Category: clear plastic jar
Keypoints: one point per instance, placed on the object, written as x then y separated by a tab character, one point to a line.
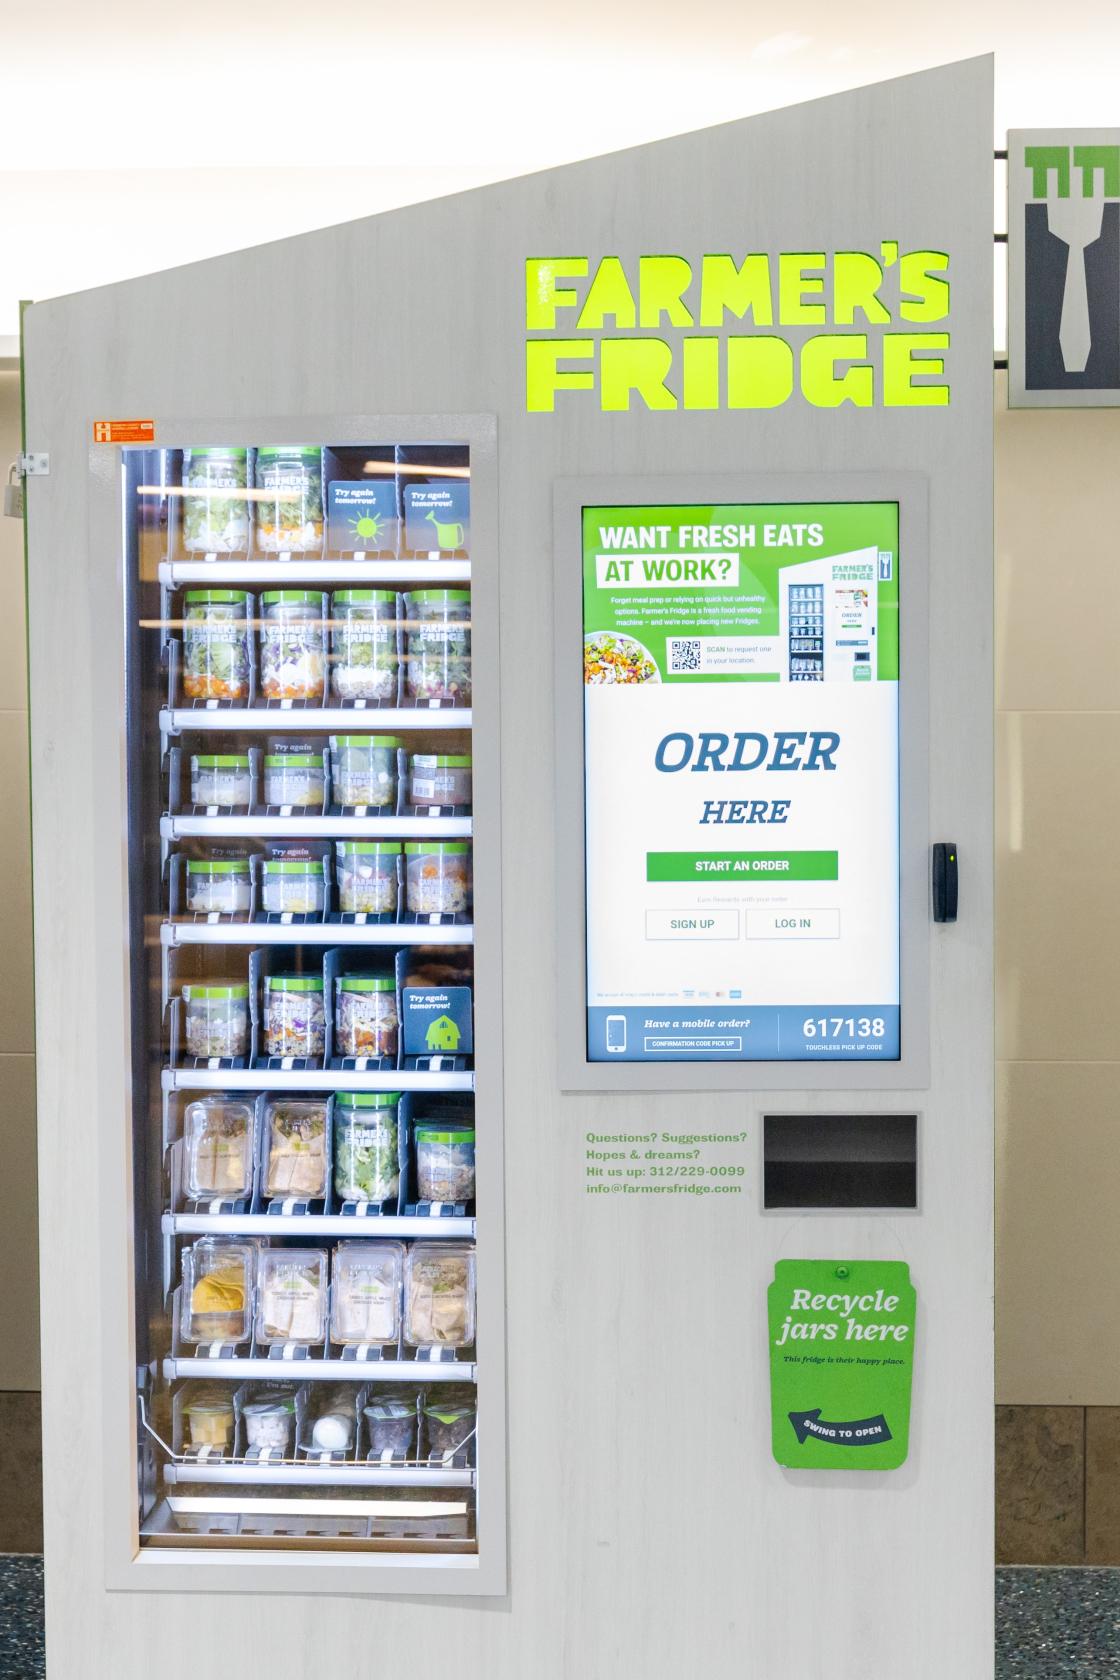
444	1165
221	779
365	1017
439	1294
218	1146
292	644
364	770
439	779
391	1423
215	505
210	1423
364	658
295	1022
216	1301
295	779
366	871
269	1424
294	886
289	515
216	644
439	877
292	1296
218	886
439	645
447	1428
366	1292
366	1167
217	1019
296	1133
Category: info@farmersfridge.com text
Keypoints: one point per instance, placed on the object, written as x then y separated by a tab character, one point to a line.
664	1163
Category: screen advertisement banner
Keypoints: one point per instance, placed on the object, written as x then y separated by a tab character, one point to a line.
741	670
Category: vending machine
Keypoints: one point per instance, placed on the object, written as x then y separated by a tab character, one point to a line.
515	1119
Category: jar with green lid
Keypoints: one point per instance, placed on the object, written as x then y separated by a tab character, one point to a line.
215	501
366	1167
391	1423
444	1164
297	780
295	887
367	873
289	504
364	658
218	886
295	1022
216	644
440	779
439	877
221	780
447	1429
365	1015
293	645
438	661
217	1019
364	770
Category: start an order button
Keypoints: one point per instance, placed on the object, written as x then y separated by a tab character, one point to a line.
793	924
692	924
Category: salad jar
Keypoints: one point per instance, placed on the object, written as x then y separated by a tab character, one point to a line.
216	1302
391	1423
365	1015
364	770
210	1423
221	779
294	1017
293	645
366	871
217	1019
297	780
294	886
439	645
366	1166
215	504
218	886
289	513
439	877
447	1429
444	1165
296	1129
269	1424
292	1296
218	1143
366	1293
364	658
439	779
216	644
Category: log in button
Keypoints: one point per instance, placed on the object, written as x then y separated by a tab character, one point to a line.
793	924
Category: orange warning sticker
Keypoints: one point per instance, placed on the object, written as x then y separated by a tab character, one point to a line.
124	431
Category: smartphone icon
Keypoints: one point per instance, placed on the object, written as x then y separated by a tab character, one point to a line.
616	1034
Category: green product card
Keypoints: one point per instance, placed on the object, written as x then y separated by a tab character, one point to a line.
841	1363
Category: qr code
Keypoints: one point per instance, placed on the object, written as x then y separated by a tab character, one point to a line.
684	653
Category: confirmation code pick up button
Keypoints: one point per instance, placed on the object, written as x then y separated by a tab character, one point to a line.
741	866
692	924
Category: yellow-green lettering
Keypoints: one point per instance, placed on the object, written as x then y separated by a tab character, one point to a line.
924	296
759	372
662	283
795	283
543	296
701	373
856	278
608	294
742	291
543	376
904	356
822	386
634	364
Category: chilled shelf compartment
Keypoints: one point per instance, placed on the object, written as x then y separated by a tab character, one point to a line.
346	568
441	1530
230	824
179	719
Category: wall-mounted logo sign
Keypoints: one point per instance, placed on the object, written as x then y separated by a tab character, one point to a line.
841	1363
738	332
1064	268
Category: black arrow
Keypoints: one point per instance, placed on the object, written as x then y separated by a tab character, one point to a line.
865	1432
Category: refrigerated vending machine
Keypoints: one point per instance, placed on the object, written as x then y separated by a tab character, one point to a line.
496	682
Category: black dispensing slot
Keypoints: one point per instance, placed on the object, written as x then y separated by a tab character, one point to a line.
840	1161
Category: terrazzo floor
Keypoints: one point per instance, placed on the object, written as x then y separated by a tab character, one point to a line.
1050	1623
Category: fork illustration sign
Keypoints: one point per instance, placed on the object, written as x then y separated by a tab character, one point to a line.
1064	268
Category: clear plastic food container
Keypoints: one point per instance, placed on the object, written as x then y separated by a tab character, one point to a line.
289	515
366	1162
365	1015
295	1022
366	1293
296	779
296	886
366	873
292	1296
217	1019
215	506
364	658
391	1425
218	886
444	1165
216	1303
439	1294
292	644
296	1129
439	877
216	644
440	779
439	645
269	1424
447	1428
221	779
210	1423
364	770
218	1144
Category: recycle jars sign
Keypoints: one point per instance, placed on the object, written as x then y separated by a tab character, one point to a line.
841	1363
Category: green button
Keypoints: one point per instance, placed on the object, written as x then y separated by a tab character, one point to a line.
739	866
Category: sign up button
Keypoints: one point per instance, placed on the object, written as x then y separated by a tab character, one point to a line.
793	924
692	924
